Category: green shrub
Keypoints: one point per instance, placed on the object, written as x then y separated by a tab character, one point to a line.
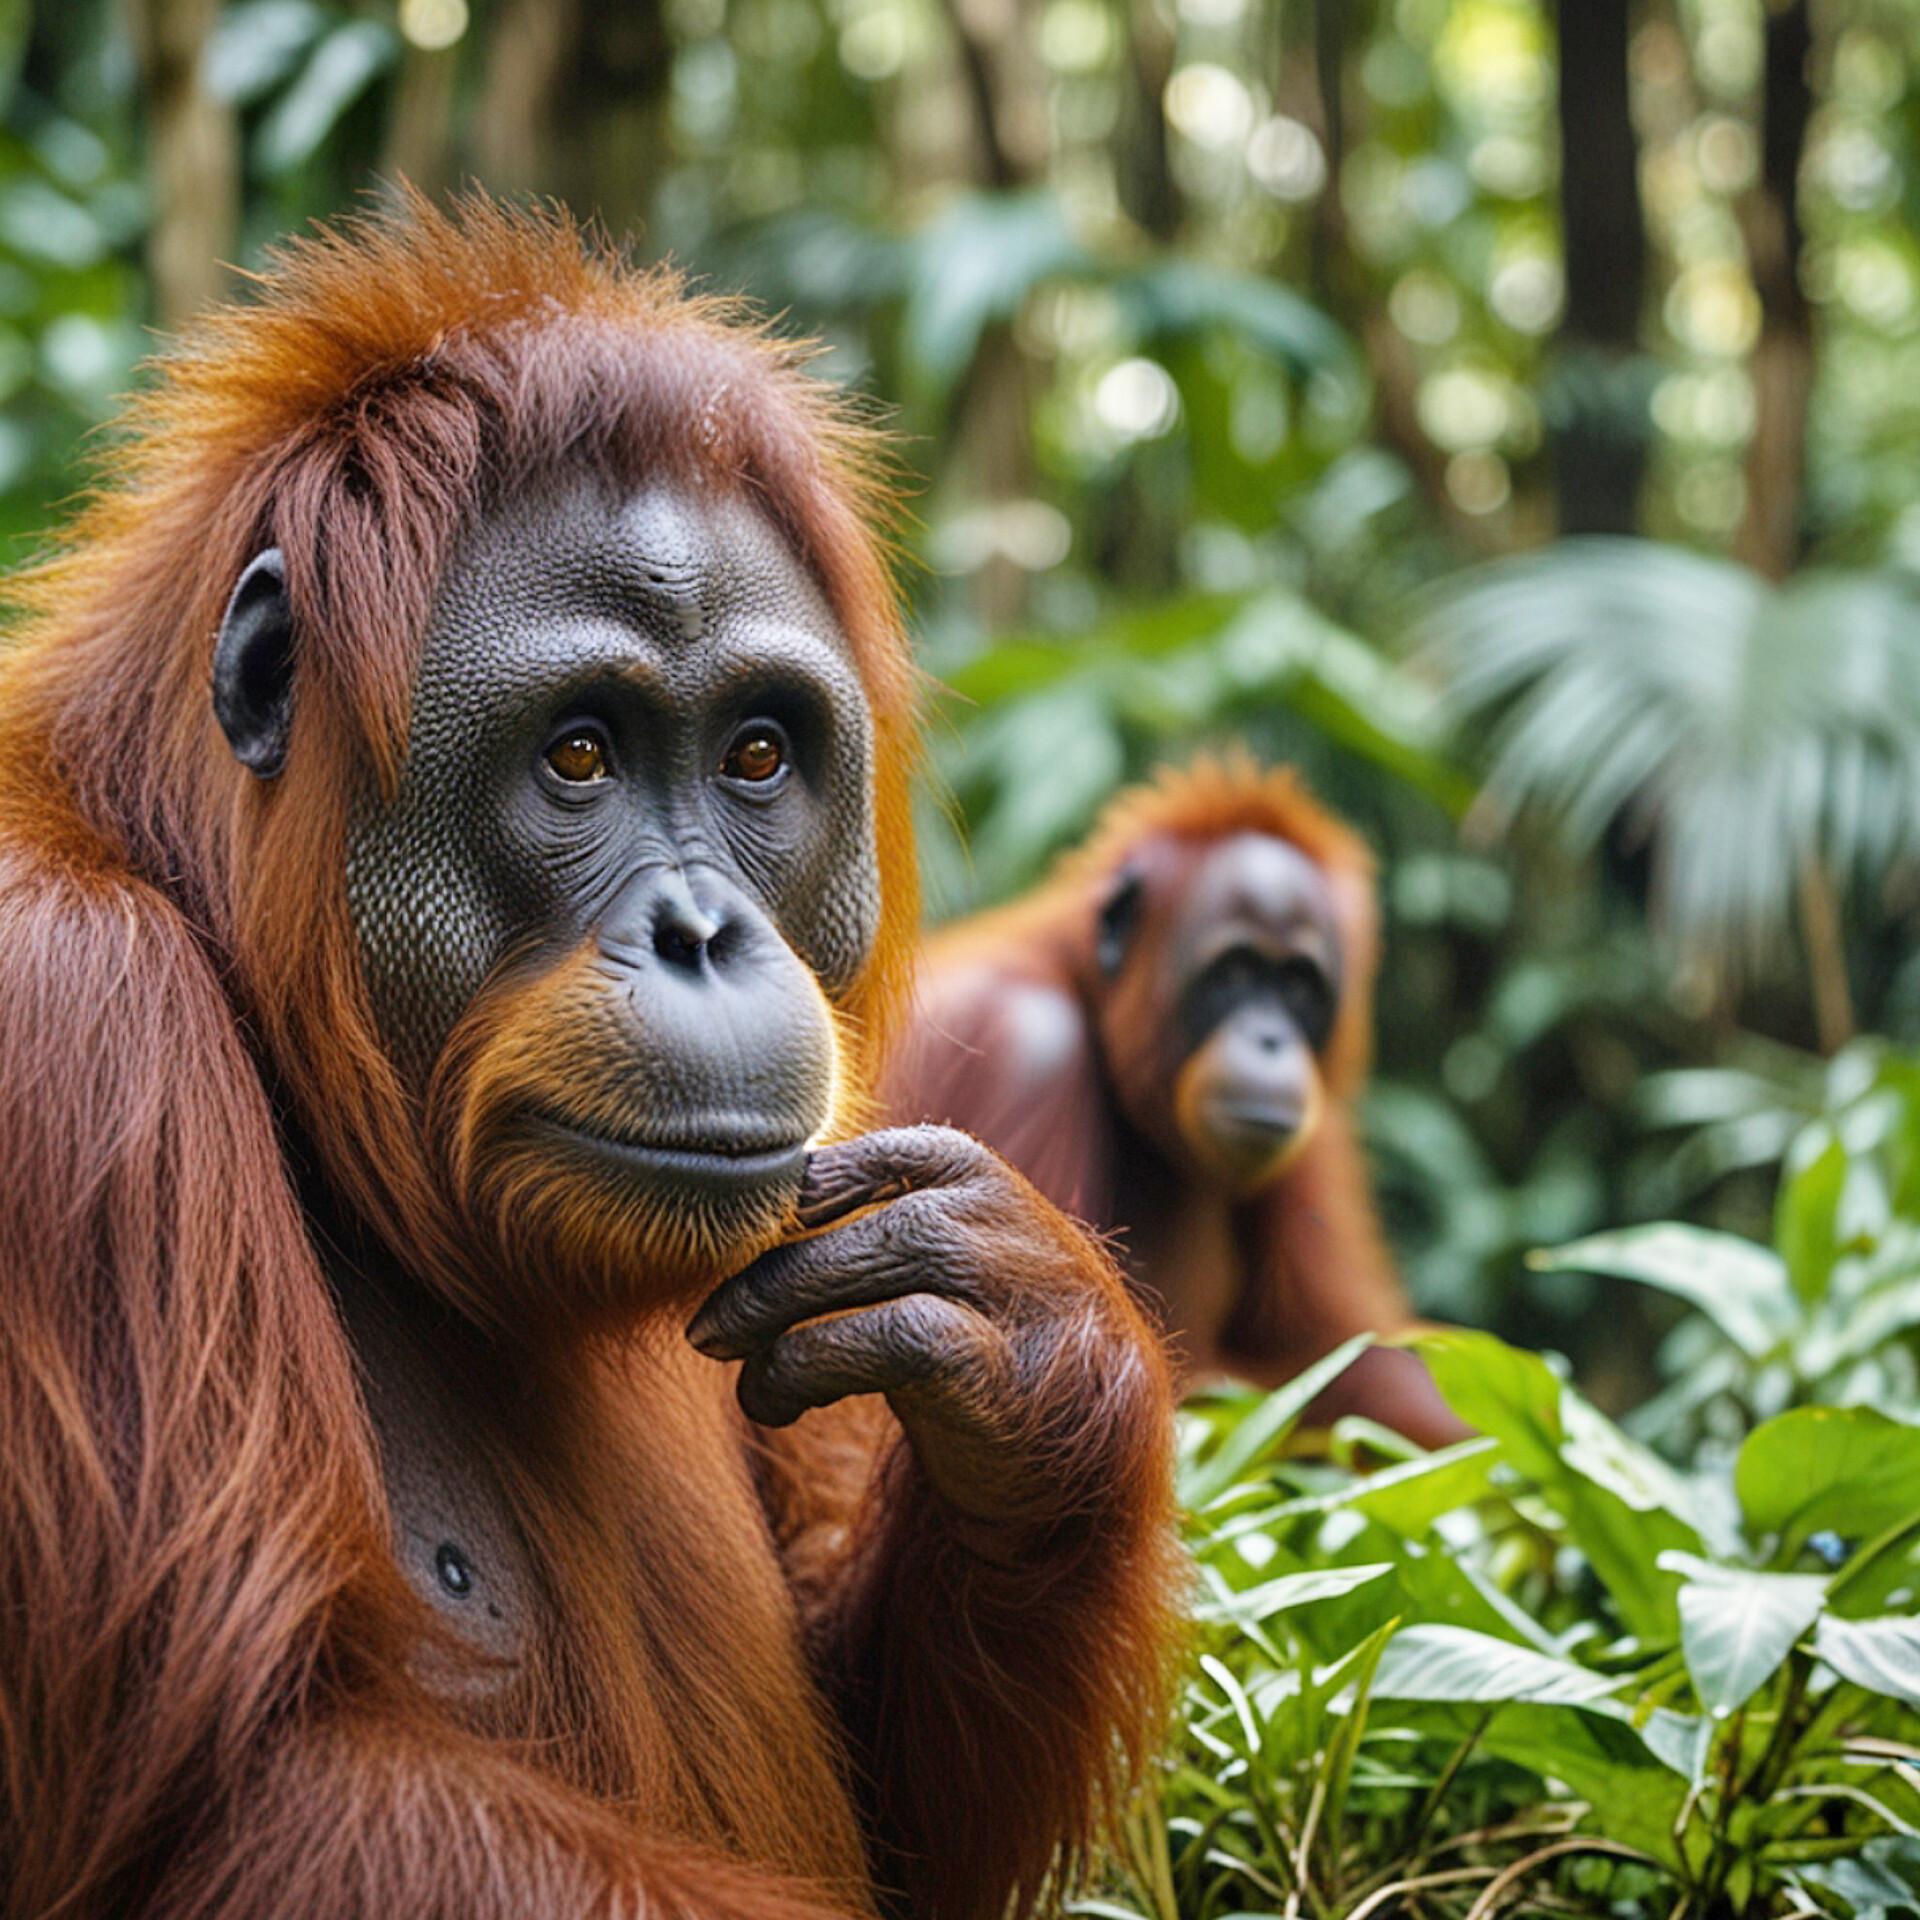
1548	1669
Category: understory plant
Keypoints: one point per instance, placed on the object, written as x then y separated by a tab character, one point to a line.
1827	1314
1550	1669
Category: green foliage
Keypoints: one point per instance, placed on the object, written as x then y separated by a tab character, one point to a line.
1054	725
1747	732
1823	1319
1540	1667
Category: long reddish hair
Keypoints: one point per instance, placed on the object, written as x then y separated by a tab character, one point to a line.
1208	798
394	377
177	1399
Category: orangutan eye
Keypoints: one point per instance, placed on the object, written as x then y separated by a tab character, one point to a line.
758	753
579	756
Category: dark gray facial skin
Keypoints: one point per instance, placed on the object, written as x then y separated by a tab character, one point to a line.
1238	944
664	624
1258	965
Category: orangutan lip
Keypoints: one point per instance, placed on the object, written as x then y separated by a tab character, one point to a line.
705	1164
1261	1119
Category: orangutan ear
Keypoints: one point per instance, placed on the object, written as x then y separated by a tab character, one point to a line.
253	667
1119	916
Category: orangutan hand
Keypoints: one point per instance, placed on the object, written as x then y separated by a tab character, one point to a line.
998	1329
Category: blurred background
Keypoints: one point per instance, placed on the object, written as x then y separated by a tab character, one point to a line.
1509	412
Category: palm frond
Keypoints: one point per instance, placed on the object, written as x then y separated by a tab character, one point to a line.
1741	730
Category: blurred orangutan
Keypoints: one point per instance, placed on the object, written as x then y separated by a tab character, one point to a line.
1167	1037
483	1431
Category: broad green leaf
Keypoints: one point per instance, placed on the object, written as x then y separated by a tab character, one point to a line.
1881	1655
1022	663
1616	1461
1806	1219
1881	1879
1180	295
1594	1749
1845	1470
1684	1741
253	47
1500	1390
1737	1626
1424	1662
1409	1498
1292	1590
1888	1308
15	18
337	72
971	266
1609	1490
1744	1288
1268	1424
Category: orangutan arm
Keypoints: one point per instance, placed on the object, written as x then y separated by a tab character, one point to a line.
989	1570
205	1709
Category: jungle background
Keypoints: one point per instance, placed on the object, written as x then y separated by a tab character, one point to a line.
1229	341
1510	413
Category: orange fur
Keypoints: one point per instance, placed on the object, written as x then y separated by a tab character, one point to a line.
1256	1285
210	1702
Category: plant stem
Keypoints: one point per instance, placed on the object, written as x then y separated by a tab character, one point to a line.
1394	1889
1826	956
1490	1897
1778	1754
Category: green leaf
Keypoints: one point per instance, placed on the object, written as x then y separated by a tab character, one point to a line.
1430	1662
1182	295
1292	1590
1732	724
1409	1498
1501	1390
1618	1501
1881	1655
1807	1216
1223	1677
1743	1288
1845	1470
1268	1424
337	72
253	47
1737	1626
1881	1879
972	265
1637	1475
1636	1794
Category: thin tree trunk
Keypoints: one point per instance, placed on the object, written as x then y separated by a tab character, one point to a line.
1329	236
995	166
1340	284
193	158
420	133
991	457
1600	449
1826	950
575	105
1142	165
1782	365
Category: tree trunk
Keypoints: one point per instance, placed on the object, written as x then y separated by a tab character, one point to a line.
1143	167
1340	282
1782	365
420	130
1600	446
575	105
192	158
